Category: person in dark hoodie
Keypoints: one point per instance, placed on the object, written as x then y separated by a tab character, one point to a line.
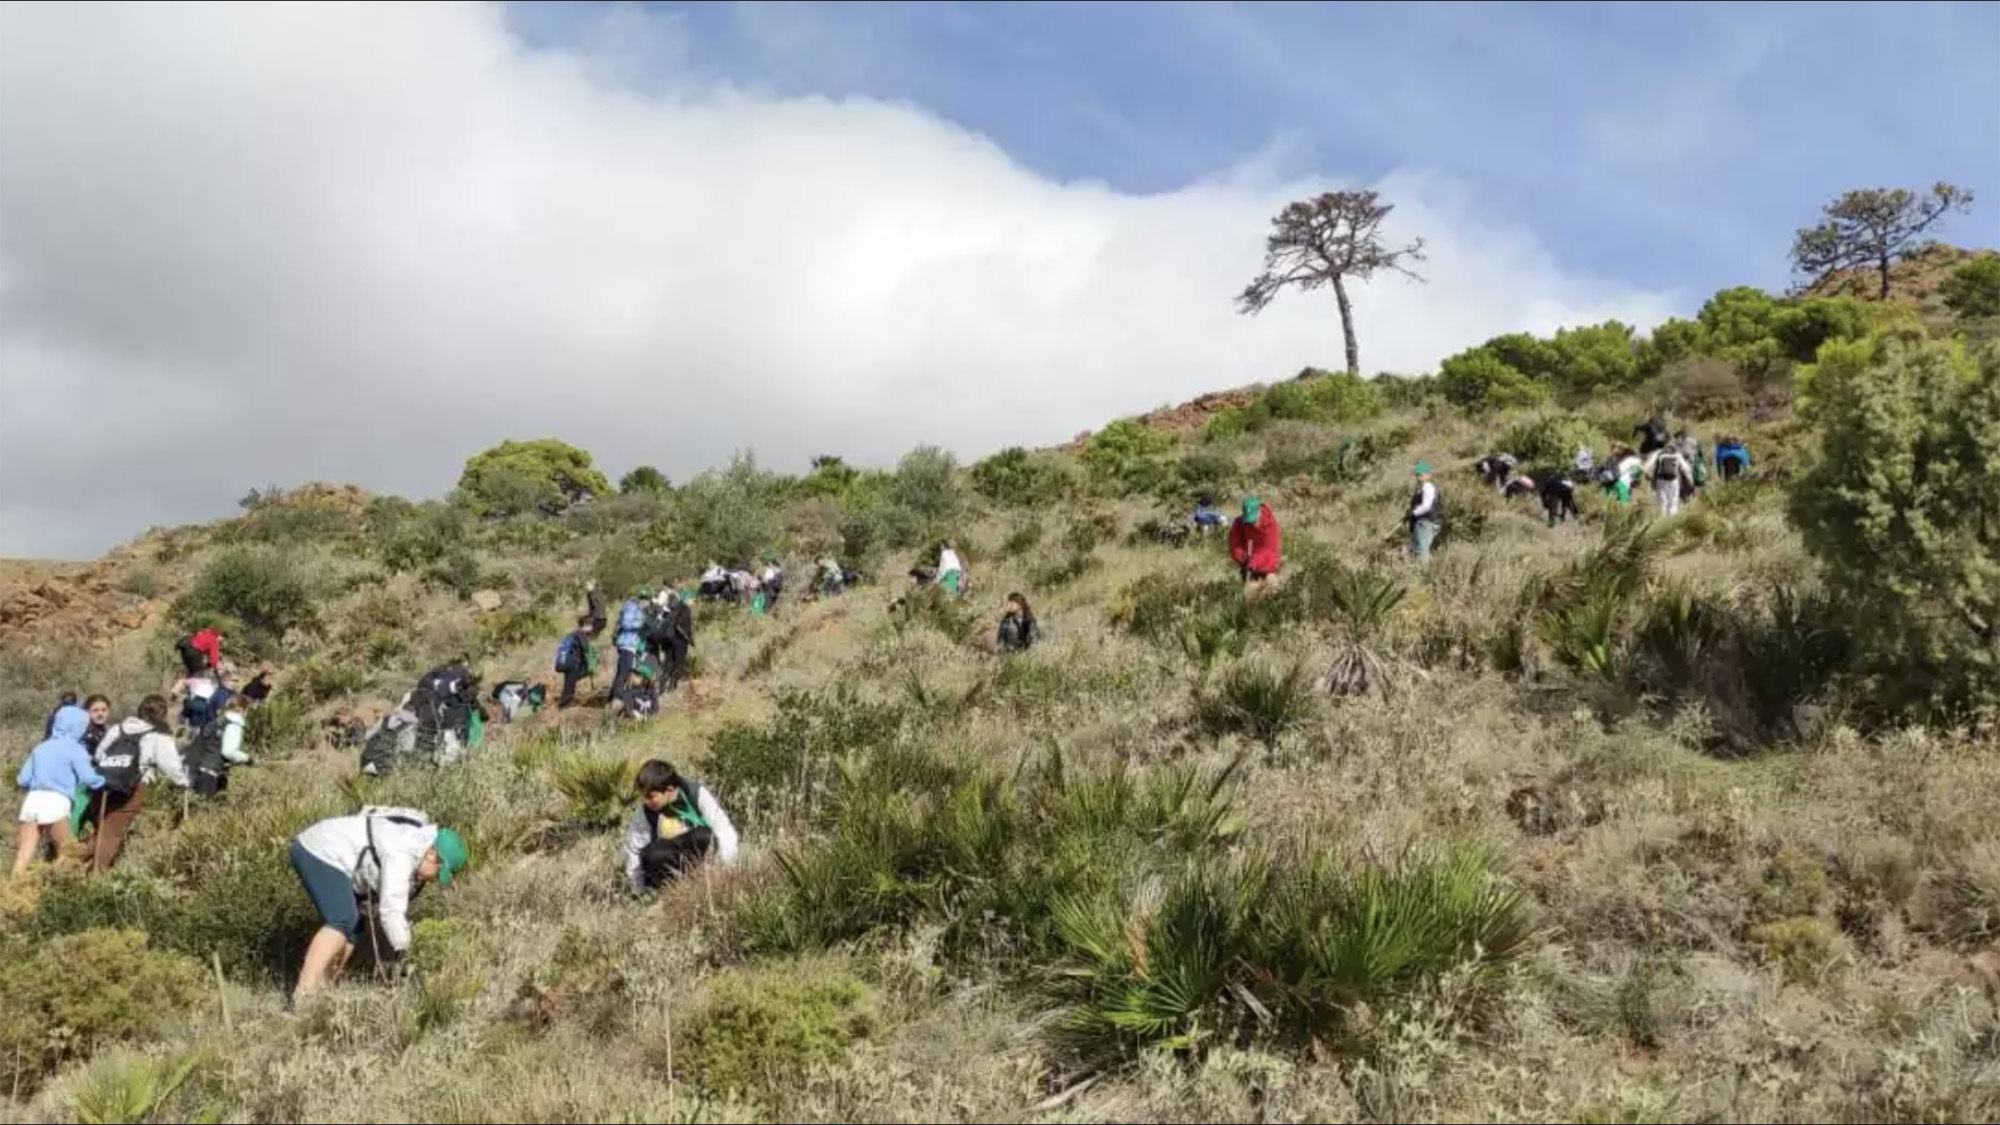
56	771
1256	542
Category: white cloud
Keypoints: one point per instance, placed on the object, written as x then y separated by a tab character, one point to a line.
253	244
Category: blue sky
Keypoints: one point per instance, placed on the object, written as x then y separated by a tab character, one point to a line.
1670	145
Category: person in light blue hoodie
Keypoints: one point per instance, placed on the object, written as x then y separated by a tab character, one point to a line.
53	774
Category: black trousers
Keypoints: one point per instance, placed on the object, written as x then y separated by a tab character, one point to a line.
568	698
676	662
665	860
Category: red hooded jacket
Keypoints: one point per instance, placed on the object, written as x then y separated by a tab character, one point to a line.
1256	547
208	642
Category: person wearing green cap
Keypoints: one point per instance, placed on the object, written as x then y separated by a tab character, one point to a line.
1255	541
380	855
1426	514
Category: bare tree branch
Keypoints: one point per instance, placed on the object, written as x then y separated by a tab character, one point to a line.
1328	240
1873	228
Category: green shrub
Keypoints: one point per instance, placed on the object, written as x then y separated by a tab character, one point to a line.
1973	289
509	630
411	539
131	1089
730	515
534	536
1024	538
264	591
322	678
278	726
582	983
1479	380
761	1029
780	764
1129	456
1902	509
645	478
926	485
933	606
1207	474
621	570
67	996
1259	700
518	477
1154	607
458	572
598	790
1294	946
140	582
1553	440
1062	571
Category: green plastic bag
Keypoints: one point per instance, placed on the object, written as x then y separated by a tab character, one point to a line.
475	730
79	807
760	604
952	581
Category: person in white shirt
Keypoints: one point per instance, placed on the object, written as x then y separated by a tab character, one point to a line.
678	825
951	569
134	755
381	853
1426	514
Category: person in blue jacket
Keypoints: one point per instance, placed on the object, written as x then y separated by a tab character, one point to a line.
1732	458
55	772
630	639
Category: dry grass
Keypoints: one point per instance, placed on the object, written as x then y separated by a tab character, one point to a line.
1804	932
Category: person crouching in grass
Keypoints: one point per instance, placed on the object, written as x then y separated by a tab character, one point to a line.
380	855
678	825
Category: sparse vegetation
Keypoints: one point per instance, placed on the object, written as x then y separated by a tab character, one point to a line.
1639	819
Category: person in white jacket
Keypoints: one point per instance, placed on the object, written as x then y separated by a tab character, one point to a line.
951	569
677	826
381	853
133	756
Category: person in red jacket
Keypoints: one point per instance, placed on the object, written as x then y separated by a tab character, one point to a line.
1254	541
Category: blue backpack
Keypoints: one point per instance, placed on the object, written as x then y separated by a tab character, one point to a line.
197	713
570	656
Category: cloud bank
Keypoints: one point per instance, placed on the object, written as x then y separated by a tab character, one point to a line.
251	244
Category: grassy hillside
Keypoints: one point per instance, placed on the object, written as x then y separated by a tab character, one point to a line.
1621	827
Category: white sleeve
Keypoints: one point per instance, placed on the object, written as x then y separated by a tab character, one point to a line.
392	896
232	743
638	833
164	759
1427	500
719	823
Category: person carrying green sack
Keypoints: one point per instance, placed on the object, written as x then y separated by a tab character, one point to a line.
951	569
1426	514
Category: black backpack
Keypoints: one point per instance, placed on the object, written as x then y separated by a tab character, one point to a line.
192	658
1667	465
208	770
121	762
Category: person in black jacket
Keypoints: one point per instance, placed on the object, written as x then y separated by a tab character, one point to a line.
679	639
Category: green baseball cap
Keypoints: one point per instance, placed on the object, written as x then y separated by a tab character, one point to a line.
1423	468
1253	507
452	856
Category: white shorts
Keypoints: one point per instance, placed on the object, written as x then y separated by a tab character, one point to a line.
43	808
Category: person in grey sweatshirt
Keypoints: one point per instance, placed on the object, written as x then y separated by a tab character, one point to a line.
382	855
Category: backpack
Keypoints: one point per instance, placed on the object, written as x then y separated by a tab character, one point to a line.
208	771
1667	466
122	762
192	658
570	658
393	737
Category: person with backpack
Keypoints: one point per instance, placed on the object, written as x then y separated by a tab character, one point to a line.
445	701
680	638
630	640
516	696
1256	542
1018	629
574	659
57	770
373	862
1668	469
392	737
1558	494
1426	515
1652	435
134	755
217	747
770	584
1732	458
200	651
1696	460
1584	465
677	826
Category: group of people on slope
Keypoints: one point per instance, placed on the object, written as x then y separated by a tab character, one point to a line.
363	871
1256	540
1676	466
88	778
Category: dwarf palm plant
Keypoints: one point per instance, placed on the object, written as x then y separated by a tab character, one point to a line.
1362	603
